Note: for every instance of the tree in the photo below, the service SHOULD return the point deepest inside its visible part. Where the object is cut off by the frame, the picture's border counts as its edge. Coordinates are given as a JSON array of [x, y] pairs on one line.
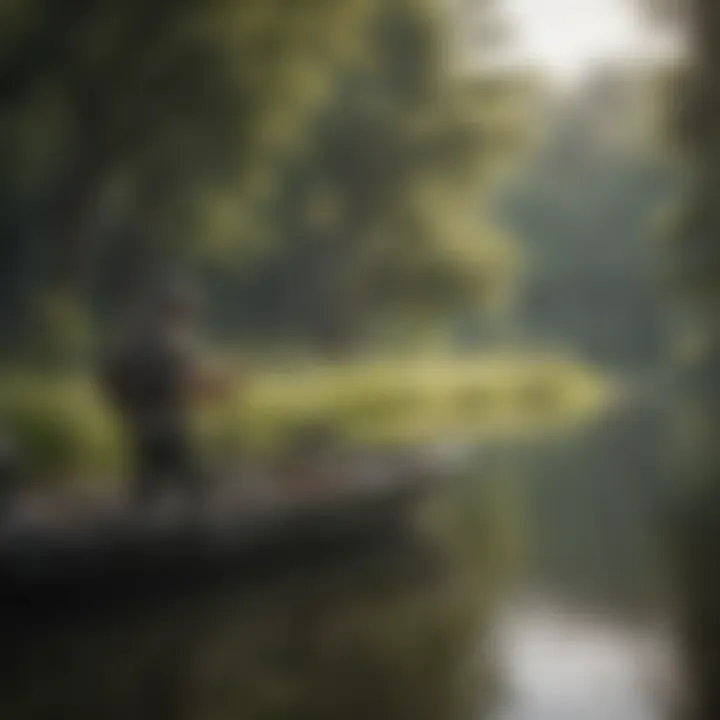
[[147, 110], [319, 160], [382, 217], [582, 206], [694, 254]]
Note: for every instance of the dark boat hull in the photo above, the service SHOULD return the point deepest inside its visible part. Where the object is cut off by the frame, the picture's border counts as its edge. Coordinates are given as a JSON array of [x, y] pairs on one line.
[[135, 551]]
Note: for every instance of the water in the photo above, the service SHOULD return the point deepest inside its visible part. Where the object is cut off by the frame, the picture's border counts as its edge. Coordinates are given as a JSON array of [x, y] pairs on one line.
[[387, 636], [565, 665], [412, 632], [392, 637], [594, 513]]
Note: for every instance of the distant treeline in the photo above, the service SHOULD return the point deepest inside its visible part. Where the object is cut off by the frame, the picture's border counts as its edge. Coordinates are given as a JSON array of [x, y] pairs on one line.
[[588, 211]]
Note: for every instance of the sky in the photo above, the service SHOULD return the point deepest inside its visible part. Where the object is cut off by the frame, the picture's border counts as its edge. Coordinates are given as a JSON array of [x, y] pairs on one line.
[[566, 38]]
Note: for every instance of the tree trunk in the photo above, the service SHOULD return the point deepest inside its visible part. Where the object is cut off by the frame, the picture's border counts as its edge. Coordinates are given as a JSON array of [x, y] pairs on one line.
[[696, 530]]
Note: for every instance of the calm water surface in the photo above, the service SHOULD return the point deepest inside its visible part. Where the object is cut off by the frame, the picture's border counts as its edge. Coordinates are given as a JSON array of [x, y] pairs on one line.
[[399, 637], [407, 633], [564, 665]]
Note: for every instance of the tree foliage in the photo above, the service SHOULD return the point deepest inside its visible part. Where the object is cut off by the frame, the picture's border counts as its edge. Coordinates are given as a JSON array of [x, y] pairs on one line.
[[122, 118], [318, 158], [585, 207], [382, 216]]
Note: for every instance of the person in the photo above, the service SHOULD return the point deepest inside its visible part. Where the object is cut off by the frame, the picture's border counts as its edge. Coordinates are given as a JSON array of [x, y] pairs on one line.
[[152, 373], [11, 474]]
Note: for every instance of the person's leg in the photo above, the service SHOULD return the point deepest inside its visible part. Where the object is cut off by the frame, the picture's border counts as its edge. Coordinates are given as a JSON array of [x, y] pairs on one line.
[[147, 478], [167, 460], [10, 476], [190, 475]]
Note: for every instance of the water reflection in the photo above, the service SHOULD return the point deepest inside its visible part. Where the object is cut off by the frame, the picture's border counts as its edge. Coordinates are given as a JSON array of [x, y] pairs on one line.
[[563, 664], [390, 635], [405, 631]]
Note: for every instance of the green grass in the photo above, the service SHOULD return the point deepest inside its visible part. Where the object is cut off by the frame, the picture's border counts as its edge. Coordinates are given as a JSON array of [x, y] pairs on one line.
[[66, 433]]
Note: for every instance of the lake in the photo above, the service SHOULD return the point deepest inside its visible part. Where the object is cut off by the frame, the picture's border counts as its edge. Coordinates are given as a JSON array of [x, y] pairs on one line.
[[560, 664], [419, 629], [401, 635]]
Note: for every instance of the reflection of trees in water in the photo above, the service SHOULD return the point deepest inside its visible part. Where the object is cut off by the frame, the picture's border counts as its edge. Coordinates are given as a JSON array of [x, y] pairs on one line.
[[592, 505], [390, 637]]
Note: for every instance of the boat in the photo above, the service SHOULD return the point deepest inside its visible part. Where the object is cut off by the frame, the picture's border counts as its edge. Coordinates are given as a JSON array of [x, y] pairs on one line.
[[248, 522]]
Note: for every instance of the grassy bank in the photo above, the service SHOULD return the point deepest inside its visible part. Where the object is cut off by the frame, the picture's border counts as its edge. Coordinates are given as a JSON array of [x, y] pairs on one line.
[[66, 433]]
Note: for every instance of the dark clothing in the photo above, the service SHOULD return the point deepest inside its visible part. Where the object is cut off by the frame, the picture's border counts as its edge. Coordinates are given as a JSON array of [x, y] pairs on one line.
[[10, 476], [162, 461], [148, 374]]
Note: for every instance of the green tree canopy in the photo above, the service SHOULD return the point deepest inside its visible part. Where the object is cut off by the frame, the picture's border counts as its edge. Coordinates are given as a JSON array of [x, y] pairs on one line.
[[321, 159]]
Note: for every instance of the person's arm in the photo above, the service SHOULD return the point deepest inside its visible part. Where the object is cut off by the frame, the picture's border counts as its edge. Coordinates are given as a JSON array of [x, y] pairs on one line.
[[212, 381]]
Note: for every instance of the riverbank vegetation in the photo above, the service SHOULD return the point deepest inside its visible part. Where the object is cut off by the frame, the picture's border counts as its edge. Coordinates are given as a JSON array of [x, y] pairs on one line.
[[67, 432]]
